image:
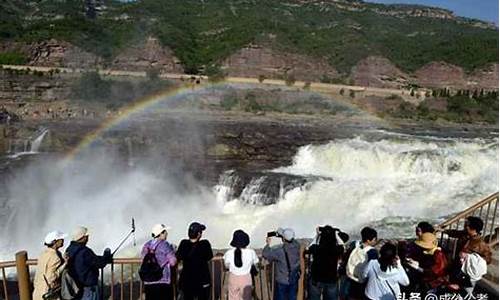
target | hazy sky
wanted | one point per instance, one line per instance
(479, 9)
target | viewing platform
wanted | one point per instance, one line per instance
(121, 279)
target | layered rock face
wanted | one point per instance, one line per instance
(142, 57)
(139, 57)
(54, 53)
(485, 78)
(439, 74)
(377, 71)
(253, 61)
(15, 88)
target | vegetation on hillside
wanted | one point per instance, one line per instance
(202, 33)
(260, 101)
(463, 107)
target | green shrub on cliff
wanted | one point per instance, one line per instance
(460, 108)
(12, 58)
(228, 102)
(215, 73)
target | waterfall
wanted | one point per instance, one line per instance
(260, 188)
(391, 183)
(27, 146)
(37, 141)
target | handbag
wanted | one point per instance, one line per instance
(52, 293)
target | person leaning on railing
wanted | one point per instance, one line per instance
(49, 268)
(473, 257)
(470, 239)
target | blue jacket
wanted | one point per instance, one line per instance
(84, 264)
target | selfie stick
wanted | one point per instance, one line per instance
(132, 231)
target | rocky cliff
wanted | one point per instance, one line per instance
(377, 71)
(485, 78)
(56, 53)
(21, 87)
(255, 60)
(141, 57)
(438, 74)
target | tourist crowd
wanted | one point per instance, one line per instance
(337, 267)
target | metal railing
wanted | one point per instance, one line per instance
(121, 279)
(123, 282)
(487, 210)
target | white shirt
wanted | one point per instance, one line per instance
(384, 285)
(248, 258)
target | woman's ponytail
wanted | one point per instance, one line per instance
(237, 258)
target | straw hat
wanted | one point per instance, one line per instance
(427, 241)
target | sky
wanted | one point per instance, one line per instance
(486, 10)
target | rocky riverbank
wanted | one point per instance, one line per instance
(205, 144)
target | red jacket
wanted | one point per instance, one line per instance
(436, 275)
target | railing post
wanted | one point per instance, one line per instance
(23, 275)
(300, 290)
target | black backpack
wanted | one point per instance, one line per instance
(150, 270)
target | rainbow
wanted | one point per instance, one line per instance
(137, 106)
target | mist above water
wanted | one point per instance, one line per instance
(389, 182)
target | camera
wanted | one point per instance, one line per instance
(273, 234)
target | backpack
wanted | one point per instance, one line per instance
(69, 288)
(356, 261)
(150, 270)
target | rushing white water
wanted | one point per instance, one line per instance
(390, 178)
(390, 182)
